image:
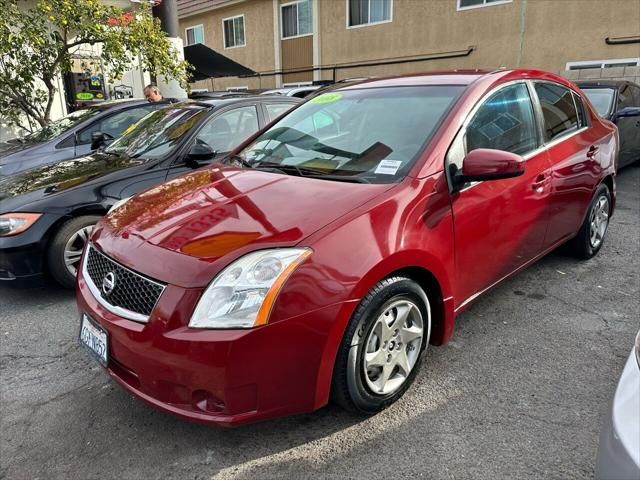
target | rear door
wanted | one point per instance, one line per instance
(499, 225)
(573, 149)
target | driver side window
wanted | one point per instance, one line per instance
(505, 121)
(227, 130)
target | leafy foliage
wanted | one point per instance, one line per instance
(38, 39)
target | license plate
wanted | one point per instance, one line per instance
(95, 338)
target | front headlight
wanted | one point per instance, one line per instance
(15, 223)
(242, 295)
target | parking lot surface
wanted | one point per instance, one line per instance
(520, 392)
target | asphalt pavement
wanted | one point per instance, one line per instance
(520, 392)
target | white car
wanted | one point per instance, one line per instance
(619, 450)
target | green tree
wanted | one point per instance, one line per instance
(38, 39)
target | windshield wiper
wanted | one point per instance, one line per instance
(241, 160)
(310, 172)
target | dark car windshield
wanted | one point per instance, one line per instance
(60, 126)
(601, 98)
(361, 135)
(158, 133)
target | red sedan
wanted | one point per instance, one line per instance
(340, 241)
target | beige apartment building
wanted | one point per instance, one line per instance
(292, 42)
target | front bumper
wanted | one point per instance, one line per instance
(221, 377)
(22, 256)
(619, 449)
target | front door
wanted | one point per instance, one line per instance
(500, 224)
(628, 127)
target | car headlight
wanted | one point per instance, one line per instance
(15, 223)
(637, 348)
(242, 295)
(118, 204)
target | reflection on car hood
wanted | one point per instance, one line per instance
(211, 212)
(9, 148)
(57, 177)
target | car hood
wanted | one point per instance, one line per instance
(186, 230)
(40, 182)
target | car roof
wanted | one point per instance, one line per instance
(220, 102)
(603, 83)
(107, 104)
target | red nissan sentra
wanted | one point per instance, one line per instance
(340, 241)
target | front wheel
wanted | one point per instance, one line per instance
(65, 249)
(592, 232)
(382, 347)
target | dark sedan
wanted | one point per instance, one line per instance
(618, 101)
(47, 213)
(72, 136)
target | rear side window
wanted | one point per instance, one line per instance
(582, 113)
(505, 121)
(558, 109)
(625, 97)
(274, 110)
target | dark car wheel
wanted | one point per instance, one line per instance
(382, 347)
(65, 249)
(592, 232)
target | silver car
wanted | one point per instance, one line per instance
(619, 450)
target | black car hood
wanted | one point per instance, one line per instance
(40, 182)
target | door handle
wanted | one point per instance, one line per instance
(539, 183)
(593, 149)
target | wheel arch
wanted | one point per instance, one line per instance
(431, 277)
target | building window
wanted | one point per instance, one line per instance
(466, 4)
(194, 34)
(233, 31)
(297, 19)
(617, 62)
(368, 12)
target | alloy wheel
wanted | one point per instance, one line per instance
(598, 221)
(74, 247)
(393, 347)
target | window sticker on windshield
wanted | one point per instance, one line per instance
(130, 129)
(326, 98)
(388, 167)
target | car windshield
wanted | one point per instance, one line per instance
(60, 126)
(601, 98)
(366, 135)
(158, 133)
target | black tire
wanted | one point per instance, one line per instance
(581, 246)
(349, 386)
(55, 251)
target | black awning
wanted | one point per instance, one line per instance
(208, 63)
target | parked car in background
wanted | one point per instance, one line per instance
(618, 101)
(299, 92)
(323, 259)
(47, 213)
(619, 449)
(76, 134)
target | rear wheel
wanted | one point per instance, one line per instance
(383, 346)
(65, 249)
(592, 232)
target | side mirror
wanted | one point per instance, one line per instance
(200, 152)
(488, 164)
(100, 139)
(627, 112)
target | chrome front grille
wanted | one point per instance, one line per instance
(119, 289)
